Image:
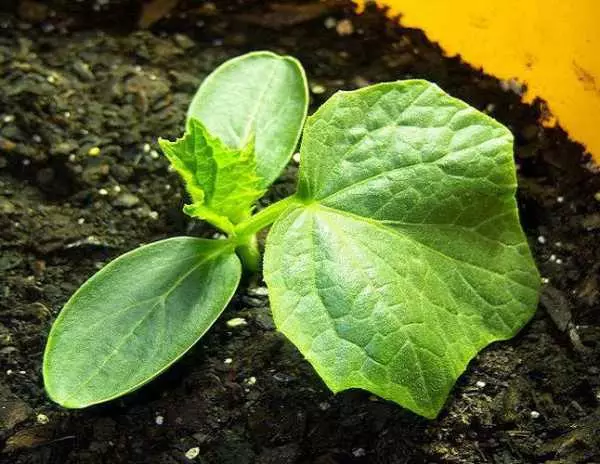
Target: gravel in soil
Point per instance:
(81, 181)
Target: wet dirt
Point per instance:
(83, 98)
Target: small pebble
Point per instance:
(534, 414)
(480, 384)
(545, 280)
(146, 148)
(154, 154)
(552, 258)
(10, 118)
(153, 215)
(42, 419)
(324, 406)
(597, 196)
(94, 151)
(228, 361)
(344, 27)
(559, 261)
(159, 420)
(541, 239)
(103, 192)
(560, 199)
(236, 322)
(296, 158)
(251, 381)
(36, 138)
(80, 221)
(72, 158)
(192, 453)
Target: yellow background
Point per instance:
(553, 46)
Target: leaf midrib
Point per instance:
(244, 136)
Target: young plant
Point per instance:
(399, 257)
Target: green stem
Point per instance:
(249, 254)
(262, 219)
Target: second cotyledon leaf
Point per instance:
(221, 181)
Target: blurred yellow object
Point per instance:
(553, 46)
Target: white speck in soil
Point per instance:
(228, 361)
(36, 138)
(559, 261)
(597, 196)
(26, 162)
(103, 192)
(146, 148)
(552, 258)
(80, 221)
(560, 199)
(72, 158)
(154, 154)
(558, 244)
(192, 453)
(324, 406)
(94, 151)
(159, 420)
(236, 322)
(258, 291)
(117, 188)
(541, 239)
(67, 114)
(534, 414)
(296, 158)
(359, 452)
(251, 381)
(8, 118)
(317, 89)
(42, 419)
(153, 215)
(330, 23)
(545, 280)
(480, 384)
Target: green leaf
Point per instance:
(259, 95)
(407, 257)
(137, 316)
(222, 181)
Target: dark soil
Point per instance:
(76, 80)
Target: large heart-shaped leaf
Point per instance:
(405, 256)
(137, 316)
(259, 95)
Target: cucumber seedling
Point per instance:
(399, 257)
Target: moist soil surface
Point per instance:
(84, 96)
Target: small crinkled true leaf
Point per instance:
(221, 181)
(135, 317)
(407, 256)
(259, 96)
